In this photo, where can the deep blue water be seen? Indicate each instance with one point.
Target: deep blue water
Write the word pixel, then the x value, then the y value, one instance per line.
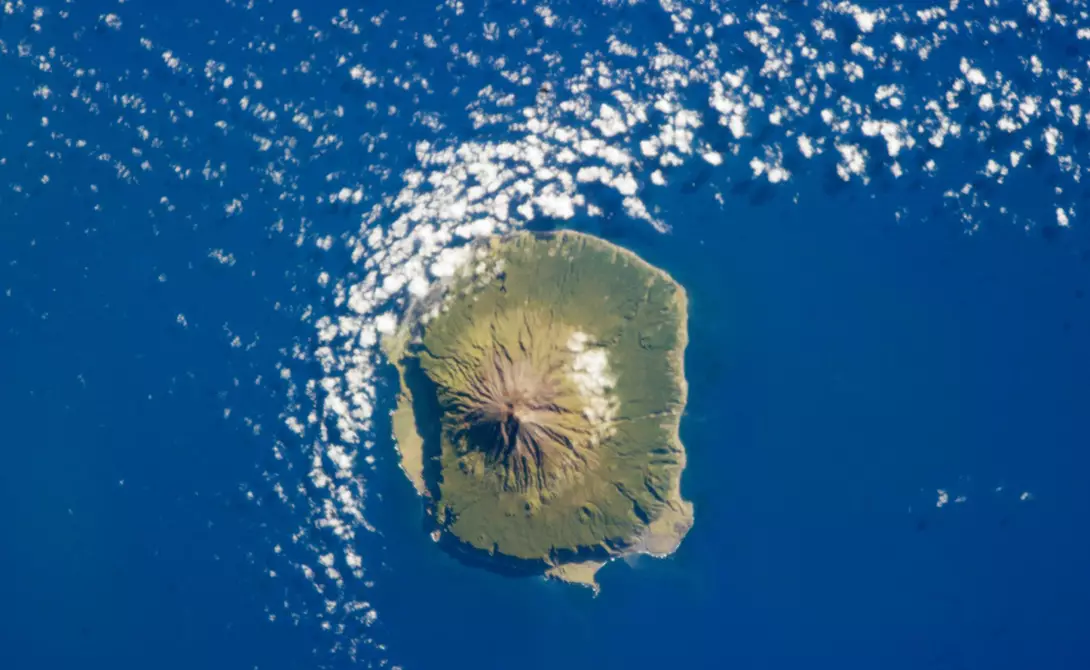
pixel 844 366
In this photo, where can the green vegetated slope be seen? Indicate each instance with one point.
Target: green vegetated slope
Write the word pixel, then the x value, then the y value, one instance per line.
pixel 600 497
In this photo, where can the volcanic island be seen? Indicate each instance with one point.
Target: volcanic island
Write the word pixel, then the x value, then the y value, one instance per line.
pixel 541 392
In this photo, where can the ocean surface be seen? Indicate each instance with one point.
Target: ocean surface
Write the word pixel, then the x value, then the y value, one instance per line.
pixel 211 210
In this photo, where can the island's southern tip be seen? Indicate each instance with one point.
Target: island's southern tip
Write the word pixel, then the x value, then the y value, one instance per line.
pixel 542 388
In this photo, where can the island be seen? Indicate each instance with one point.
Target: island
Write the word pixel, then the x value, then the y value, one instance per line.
pixel 541 391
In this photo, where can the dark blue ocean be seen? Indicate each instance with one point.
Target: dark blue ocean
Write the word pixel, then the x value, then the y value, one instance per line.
pixel 889 351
